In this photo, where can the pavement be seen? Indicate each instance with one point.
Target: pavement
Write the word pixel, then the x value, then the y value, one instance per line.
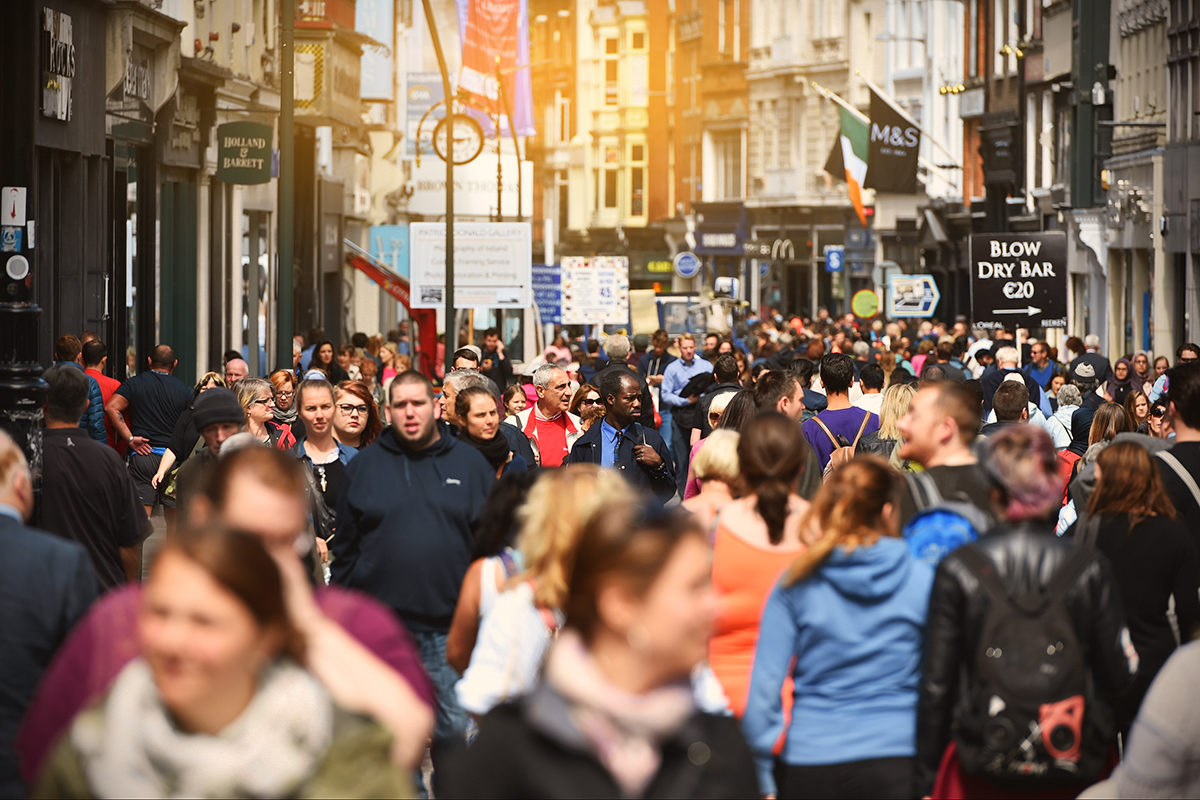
pixel 154 541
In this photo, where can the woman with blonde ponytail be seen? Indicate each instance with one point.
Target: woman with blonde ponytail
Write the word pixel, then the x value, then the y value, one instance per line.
pixel 754 539
pixel 846 624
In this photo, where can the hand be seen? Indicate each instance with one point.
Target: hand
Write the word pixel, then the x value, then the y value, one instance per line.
pixel 646 455
pixel 156 480
pixel 297 592
pixel 486 365
pixel 693 399
pixel 323 550
pixel 500 349
pixel 141 445
pixel 654 380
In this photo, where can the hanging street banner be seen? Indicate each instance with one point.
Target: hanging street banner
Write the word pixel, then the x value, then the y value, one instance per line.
pixel 893 150
pixel 1019 280
pixel 492 264
pixel 495 39
pixel 244 152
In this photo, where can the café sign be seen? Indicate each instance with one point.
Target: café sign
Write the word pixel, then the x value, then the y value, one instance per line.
pixel 244 152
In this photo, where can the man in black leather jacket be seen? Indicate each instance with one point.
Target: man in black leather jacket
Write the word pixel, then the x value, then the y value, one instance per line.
pixel 1027 557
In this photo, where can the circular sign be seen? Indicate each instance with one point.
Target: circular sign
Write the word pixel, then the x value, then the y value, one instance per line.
pixel 865 303
pixel 687 264
pixel 17 268
pixel 466 136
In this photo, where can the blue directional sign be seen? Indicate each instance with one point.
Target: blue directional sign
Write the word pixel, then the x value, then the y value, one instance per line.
pixel 547 292
pixel 835 258
pixel 687 264
pixel 912 296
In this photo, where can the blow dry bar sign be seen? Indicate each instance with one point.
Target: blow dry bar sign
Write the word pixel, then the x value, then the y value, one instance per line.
pixel 244 152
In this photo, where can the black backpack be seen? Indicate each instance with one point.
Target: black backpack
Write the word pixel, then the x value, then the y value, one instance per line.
pixel 1030 719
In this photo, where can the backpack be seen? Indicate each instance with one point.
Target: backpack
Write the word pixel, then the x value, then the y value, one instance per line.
pixel 939 526
pixel 1028 720
pixel 841 453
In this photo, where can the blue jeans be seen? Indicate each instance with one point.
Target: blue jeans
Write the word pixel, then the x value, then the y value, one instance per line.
pixel 451 719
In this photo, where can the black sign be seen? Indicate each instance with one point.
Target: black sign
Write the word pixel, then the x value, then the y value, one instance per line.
pixel 892 151
pixel 1019 280
pixel 244 152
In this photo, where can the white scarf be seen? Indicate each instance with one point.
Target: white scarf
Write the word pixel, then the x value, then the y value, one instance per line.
pixel 132 748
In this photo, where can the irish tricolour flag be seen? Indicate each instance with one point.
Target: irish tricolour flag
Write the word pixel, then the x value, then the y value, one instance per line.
pixel 854 158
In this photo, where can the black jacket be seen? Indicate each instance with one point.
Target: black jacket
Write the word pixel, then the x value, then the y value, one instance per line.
pixel 647 415
pixel 661 481
pixel 404 525
pixel 528 748
pixel 1026 558
pixel 518 443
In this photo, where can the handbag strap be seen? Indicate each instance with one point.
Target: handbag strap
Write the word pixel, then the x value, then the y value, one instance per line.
pixel 866 418
pixel 1180 470
pixel 829 433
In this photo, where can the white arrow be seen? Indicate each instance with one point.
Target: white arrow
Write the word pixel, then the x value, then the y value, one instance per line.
pixel 1031 310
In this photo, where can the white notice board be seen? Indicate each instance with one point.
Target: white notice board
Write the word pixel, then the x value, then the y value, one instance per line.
pixel 595 291
pixel 493 264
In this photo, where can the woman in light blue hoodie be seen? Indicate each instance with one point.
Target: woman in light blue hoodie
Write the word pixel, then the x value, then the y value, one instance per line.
pixel 847 622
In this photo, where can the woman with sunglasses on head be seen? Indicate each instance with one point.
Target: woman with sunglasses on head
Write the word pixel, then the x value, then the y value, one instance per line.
pixel 356 420
pixel 587 405
pixel 615 714
pixel 257 397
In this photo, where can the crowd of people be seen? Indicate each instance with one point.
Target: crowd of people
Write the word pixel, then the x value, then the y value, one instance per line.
pixel 800 558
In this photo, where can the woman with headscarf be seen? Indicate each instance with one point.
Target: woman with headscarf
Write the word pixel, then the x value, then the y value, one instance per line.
pixel 1122 381
pixel 1143 375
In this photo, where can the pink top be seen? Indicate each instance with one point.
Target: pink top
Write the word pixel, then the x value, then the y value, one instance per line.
pixel 105 640
pixel 692 487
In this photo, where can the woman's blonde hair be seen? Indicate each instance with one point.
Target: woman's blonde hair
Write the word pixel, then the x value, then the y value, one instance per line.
pixel 848 513
pixel 717 459
pixel 558 508
pixel 896 400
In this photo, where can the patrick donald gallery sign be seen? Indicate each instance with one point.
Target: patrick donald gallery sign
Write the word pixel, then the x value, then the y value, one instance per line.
pixel 244 152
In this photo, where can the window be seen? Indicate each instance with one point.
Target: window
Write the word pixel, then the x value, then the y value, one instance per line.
pixel 638 41
pixel 637 153
pixel 973 34
pixel 637 177
pixel 610 188
pixel 727 149
pixel 610 47
pixel 611 89
pixel 728 28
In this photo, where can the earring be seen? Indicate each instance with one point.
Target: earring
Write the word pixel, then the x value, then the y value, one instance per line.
pixel 638 638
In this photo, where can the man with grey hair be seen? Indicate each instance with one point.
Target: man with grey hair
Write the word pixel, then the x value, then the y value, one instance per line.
pixel 617 347
pixel 550 427
pixel 463 379
pixel 1006 364
pixel 1091 355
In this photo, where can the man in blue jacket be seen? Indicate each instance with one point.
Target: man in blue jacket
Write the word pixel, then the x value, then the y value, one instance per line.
pixel 68 350
pixel 620 442
pixel 405 517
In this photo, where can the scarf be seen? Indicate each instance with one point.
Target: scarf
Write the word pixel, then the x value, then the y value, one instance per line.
pixel 131 747
pixel 288 417
pixel 1115 385
pixel 625 730
pixel 495 450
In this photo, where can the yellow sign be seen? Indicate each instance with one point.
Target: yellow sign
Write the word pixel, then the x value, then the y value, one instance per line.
pixel 865 303
pixel 658 266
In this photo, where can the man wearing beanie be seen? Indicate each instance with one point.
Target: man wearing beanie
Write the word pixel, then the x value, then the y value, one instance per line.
pixel 218 415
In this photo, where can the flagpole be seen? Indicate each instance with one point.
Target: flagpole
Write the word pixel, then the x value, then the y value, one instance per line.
pixel 830 95
pixel 899 110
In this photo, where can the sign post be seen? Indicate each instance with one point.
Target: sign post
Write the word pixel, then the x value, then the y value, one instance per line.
pixel 1019 280
pixel 244 152
pixel 912 296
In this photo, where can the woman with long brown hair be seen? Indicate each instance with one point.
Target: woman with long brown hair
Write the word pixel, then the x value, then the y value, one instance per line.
pixel 846 623
pixel 1132 521
pixel 356 420
pixel 754 539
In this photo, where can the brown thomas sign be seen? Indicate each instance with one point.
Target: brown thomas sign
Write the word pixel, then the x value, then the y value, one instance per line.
pixel 244 152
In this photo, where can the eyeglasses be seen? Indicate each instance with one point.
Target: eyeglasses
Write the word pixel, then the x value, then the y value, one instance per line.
pixel 714 416
pixel 282 395
pixel 264 401
pixel 348 409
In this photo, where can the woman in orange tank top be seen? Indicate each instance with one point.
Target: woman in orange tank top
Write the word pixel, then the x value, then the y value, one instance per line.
pixel 755 539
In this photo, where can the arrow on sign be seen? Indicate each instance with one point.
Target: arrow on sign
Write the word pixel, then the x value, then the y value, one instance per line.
pixel 1030 310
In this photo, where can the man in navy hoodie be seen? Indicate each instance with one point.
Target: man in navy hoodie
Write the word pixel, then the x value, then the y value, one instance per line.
pixel 404 536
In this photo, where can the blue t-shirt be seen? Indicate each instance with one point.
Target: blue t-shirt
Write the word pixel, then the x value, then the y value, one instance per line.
pixel 844 421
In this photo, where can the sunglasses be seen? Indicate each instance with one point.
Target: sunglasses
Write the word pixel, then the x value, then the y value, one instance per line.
pixel 589 401
pixel 1158 411
pixel 348 409
pixel 714 417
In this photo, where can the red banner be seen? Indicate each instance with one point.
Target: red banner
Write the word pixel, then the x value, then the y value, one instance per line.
pixel 425 350
pixel 491 31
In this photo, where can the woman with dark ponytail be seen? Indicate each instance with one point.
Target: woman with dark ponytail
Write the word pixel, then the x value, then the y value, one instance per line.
pixel 755 538
pixel 846 625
